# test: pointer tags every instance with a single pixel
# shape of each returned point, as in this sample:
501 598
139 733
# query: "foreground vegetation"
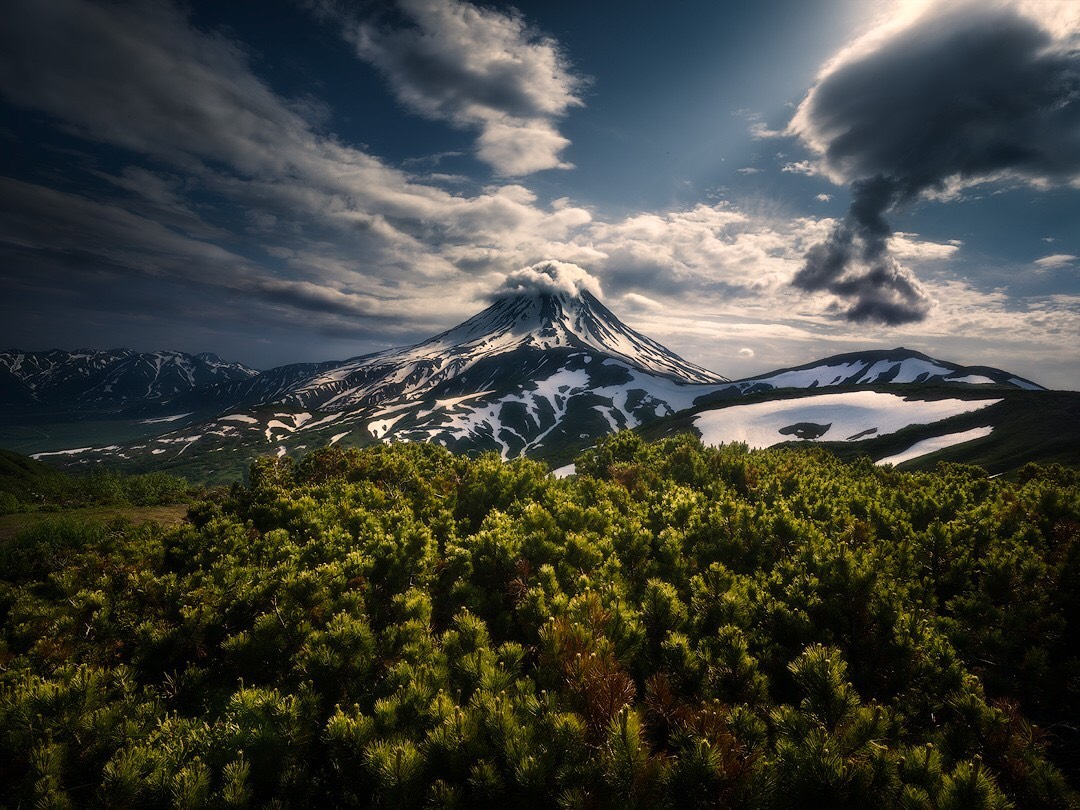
675 626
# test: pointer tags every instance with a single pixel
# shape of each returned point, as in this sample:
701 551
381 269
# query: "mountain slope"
534 371
508 341
515 339
565 401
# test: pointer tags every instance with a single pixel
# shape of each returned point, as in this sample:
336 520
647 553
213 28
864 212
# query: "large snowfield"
856 414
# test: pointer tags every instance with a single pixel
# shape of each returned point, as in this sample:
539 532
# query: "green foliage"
673 627
27 485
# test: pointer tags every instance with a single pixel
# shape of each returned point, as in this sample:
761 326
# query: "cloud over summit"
548 277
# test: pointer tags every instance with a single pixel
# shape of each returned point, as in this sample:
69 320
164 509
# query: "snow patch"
61 452
163 419
927 446
274 423
911 370
326 420
812 377
239 417
380 427
451 402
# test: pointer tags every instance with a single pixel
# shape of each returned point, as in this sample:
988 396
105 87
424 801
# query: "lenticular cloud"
956 98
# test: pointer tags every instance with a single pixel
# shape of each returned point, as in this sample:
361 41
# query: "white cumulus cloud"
479 68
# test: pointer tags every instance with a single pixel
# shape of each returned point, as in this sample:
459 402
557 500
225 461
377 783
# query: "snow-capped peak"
548 320
518 330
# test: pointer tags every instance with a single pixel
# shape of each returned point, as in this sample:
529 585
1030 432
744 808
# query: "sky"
753 185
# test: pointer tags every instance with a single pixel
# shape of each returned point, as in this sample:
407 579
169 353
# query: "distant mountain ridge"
108 378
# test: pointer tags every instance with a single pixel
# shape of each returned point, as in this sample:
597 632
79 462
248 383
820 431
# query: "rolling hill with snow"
877 367
915 425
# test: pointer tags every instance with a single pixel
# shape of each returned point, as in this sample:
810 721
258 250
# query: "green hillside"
1028 426
22 475
27 485
673 627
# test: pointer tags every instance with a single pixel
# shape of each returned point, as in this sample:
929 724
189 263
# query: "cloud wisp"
962 96
1056 261
479 68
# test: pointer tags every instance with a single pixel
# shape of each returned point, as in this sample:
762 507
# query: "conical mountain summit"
524 332
547 320
528 331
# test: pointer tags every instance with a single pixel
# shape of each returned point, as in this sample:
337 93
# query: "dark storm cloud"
138 76
121 244
965 96
854 262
